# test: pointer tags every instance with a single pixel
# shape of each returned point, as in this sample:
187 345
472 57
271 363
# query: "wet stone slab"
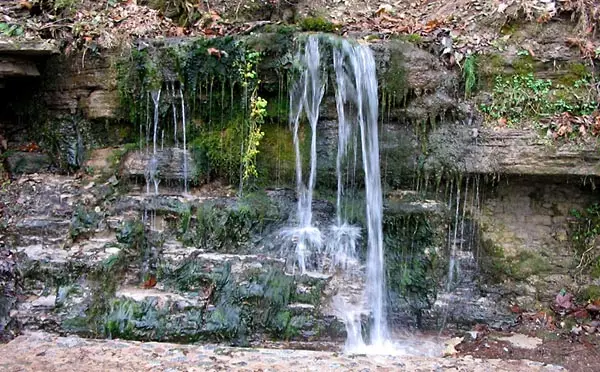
42 351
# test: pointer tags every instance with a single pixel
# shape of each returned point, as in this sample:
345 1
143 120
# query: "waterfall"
357 108
183 125
152 170
365 99
305 97
174 109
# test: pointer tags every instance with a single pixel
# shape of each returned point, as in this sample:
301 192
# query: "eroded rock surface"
39 351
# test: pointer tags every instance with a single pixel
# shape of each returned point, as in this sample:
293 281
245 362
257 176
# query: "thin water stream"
357 108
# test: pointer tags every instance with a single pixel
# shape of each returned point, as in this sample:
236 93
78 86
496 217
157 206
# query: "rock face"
94 266
87 84
9 290
526 236
519 152
169 164
19 59
102 262
28 162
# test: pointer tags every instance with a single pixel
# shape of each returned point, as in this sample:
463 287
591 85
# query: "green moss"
498 267
412 38
276 161
589 293
225 227
318 24
83 222
509 28
120 320
470 74
224 322
393 78
119 154
489 66
493 262
524 64
411 262
526 264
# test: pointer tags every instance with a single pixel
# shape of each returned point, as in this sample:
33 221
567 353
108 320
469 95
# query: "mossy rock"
318 24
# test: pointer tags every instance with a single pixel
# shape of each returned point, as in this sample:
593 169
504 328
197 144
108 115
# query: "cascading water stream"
183 125
362 67
174 109
357 107
305 97
153 163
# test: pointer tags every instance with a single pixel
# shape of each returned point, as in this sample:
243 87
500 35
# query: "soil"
577 353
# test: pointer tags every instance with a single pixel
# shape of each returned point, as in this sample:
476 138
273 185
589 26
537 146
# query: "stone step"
169 164
42 227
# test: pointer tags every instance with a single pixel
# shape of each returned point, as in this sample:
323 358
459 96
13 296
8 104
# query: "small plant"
258 111
525 98
414 38
470 74
83 222
251 130
585 231
8 29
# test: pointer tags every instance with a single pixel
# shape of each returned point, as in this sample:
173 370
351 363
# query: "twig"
53 24
253 26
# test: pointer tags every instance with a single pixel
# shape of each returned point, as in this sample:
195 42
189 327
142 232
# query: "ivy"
524 97
10 30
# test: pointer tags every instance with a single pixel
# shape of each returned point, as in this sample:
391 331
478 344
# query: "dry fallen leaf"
214 52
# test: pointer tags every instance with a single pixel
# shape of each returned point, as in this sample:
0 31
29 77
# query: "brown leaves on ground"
150 282
93 25
30 147
566 125
586 46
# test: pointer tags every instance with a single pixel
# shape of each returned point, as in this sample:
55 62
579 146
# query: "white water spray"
357 107
152 171
305 98
183 125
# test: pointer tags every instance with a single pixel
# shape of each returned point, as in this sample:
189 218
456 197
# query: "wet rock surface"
36 351
9 290
98 262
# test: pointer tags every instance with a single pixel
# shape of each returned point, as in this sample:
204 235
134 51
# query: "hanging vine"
255 110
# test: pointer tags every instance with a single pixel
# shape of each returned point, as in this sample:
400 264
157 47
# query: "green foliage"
393 78
524 97
8 29
584 232
318 24
257 118
470 74
216 154
119 154
228 227
251 130
131 320
526 264
132 235
589 293
119 322
83 222
224 112
410 264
